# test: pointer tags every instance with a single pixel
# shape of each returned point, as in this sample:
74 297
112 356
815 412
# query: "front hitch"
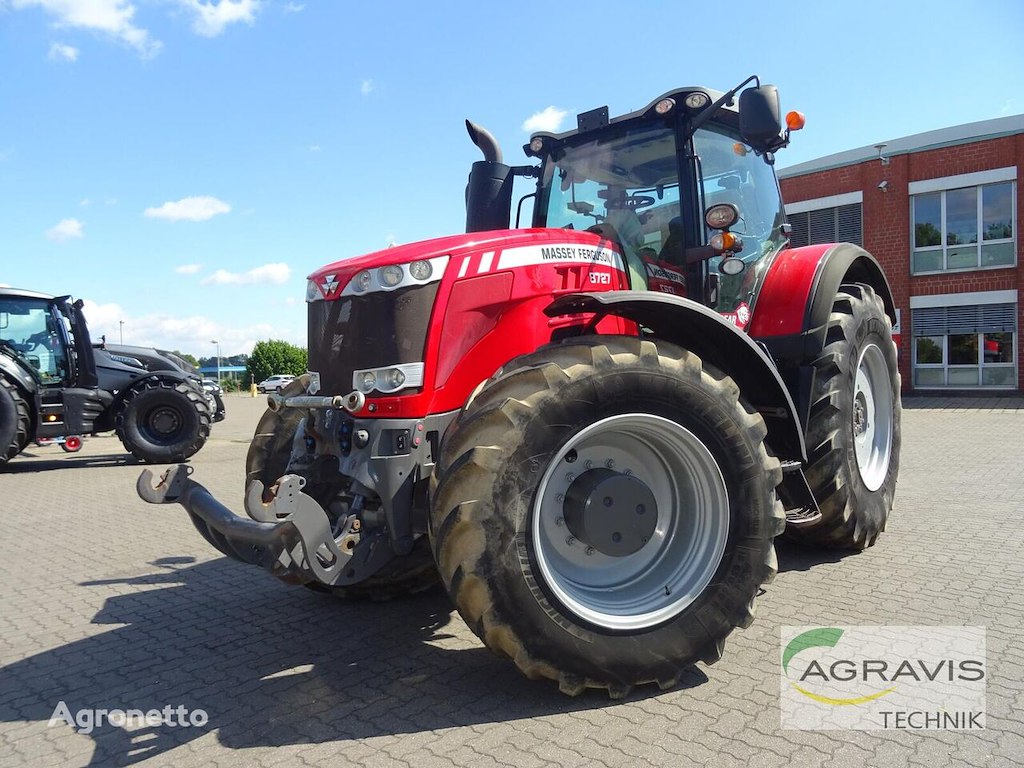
292 529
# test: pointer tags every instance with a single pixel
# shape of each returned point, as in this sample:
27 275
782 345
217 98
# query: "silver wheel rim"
872 417
677 562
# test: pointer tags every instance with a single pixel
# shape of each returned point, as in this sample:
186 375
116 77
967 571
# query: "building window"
966 228
965 346
839 224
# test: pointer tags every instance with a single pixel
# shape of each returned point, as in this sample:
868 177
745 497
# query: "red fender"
801 283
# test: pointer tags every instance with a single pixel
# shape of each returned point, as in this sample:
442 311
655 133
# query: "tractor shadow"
274 665
36 460
793 556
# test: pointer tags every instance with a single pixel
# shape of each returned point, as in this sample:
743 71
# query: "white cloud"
294 7
114 18
63 51
188 269
188 334
268 273
314 147
213 17
85 202
549 119
199 208
366 87
64 230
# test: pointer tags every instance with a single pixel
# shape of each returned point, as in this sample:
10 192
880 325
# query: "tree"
275 356
925 234
190 358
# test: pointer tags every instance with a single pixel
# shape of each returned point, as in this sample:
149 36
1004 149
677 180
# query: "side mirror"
760 122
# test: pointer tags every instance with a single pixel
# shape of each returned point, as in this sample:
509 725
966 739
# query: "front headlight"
366 381
390 276
394 276
392 378
421 270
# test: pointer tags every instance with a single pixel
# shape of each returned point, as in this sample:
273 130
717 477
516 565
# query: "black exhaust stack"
489 190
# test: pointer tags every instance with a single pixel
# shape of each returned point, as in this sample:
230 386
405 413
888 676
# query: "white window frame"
945 366
978 181
954 300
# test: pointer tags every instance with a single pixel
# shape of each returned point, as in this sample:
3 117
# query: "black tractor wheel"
14 421
163 422
267 460
603 513
853 432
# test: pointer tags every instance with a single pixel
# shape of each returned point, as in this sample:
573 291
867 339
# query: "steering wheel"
39 339
636 202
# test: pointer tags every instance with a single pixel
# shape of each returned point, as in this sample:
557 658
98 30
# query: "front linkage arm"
292 529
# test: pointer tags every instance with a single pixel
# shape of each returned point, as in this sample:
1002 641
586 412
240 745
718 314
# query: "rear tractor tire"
14 421
853 433
603 513
267 461
163 422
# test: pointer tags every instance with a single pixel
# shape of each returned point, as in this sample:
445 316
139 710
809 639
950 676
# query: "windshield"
624 178
28 328
732 173
628 178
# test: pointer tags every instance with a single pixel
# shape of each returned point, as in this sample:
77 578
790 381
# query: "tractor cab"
40 333
684 188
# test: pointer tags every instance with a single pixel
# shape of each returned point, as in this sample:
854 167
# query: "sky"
182 165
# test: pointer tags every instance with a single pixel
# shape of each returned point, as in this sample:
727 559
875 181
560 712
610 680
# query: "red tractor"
590 430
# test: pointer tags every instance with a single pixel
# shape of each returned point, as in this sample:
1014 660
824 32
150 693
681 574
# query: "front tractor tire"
14 421
162 421
853 433
603 513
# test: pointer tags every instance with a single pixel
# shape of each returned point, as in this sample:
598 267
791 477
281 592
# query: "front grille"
370 331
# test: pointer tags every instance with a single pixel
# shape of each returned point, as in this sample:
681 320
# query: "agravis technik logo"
883 677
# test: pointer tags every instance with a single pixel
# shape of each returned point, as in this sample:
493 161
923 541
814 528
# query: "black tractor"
55 383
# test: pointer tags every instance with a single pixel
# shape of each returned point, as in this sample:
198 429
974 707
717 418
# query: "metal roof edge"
966 133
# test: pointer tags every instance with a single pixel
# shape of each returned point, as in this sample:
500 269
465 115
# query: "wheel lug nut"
570 540
628 473
610 463
559 521
569 476
588 464
590 550
560 498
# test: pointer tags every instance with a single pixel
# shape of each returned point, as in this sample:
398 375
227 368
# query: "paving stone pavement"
107 602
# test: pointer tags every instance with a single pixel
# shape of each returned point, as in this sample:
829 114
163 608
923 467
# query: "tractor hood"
330 282
342 271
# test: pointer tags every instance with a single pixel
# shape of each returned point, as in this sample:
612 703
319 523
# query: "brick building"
941 212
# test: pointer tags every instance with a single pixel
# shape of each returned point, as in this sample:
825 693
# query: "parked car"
275 383
213 389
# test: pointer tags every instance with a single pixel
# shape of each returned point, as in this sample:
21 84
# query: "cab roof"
678 95
18 293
